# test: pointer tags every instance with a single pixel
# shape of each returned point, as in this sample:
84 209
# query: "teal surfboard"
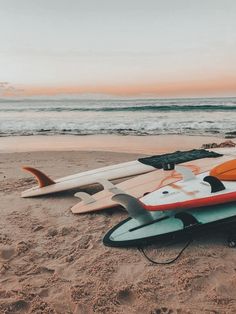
136 231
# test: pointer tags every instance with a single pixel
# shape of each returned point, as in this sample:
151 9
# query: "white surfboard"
48 186
123 170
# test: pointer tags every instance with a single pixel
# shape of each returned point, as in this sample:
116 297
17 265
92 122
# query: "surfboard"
145 225
195 190
135 232
46 185
139 185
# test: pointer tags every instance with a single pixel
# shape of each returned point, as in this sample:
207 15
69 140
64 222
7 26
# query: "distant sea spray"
210 116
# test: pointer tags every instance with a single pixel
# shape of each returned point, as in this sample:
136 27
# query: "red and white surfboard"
217 186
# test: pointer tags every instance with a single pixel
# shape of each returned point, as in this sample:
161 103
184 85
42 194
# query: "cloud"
3 84
7 89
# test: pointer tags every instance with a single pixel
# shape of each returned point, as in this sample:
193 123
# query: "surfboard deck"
143 184
85 178
195 190
131 233
123 170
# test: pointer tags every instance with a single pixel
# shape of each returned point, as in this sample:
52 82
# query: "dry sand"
52 261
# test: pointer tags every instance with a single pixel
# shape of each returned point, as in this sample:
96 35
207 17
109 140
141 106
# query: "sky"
165 48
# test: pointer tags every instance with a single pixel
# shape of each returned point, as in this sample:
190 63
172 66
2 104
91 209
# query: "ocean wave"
136 108
126 117
195 129
118 105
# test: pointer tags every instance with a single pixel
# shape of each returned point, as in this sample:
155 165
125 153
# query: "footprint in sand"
7 253
19 306
163 310
125 296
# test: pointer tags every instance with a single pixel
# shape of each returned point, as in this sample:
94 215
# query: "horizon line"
224 87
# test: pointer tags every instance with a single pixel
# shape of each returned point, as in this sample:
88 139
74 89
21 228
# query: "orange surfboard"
225 171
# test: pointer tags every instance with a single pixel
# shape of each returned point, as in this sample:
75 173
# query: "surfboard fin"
85 197
186 173
215 183
42 178
134 207
107 185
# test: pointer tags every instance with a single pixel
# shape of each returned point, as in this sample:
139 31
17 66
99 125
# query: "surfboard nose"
225 171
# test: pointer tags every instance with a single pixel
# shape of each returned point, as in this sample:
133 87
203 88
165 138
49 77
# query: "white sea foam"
107 116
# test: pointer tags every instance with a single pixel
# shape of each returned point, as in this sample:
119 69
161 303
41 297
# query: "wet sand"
126 144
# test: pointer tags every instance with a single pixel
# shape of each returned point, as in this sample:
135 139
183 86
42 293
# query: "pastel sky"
166 48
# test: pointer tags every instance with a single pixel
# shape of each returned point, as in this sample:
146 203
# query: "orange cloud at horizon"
223 86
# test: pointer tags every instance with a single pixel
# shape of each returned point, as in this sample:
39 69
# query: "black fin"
187 219
215 183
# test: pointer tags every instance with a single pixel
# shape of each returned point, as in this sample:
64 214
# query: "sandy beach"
89 84
126 144
52 261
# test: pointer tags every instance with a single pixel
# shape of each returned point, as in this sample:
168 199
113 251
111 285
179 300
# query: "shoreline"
150 144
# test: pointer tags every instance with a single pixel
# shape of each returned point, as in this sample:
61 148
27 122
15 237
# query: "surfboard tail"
42 178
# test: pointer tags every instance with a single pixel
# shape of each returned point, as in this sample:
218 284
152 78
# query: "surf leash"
167 262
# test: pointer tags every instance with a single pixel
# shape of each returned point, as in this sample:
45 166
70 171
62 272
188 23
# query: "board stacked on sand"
48 186
193 191
139 185
123 170
131 233
163 213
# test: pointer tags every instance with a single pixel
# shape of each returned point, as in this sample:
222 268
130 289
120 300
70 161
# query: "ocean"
209 116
